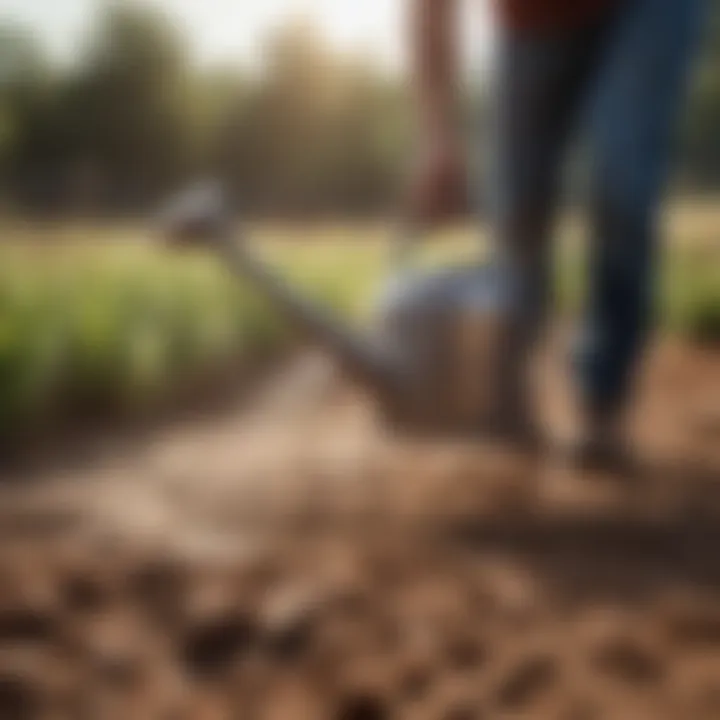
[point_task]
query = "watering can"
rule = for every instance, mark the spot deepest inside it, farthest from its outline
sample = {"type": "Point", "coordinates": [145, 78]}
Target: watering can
{"type": "Point", "coordinates": [429, 358]}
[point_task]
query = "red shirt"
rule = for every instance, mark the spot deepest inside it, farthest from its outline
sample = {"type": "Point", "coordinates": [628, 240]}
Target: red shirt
{"type": "Point", "coordinates": [547, 14]}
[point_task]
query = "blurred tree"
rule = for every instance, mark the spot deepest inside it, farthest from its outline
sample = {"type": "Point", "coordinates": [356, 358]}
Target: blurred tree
{"type": "Point", "coordinates": [128, 105]}
{"type": "Point", "coordinates": [25, 90]}
{"type": "Point", "coordinates": [313, 131]}
{"type": "Point", "coordinates": [316, 131]}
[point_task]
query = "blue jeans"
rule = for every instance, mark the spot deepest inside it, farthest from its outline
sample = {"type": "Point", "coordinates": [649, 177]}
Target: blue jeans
{"type": "Point", "coordinates": [622, 80]}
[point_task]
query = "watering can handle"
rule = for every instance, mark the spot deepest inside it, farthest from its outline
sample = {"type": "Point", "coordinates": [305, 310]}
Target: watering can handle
{"type": "Point", "coordinates": [406, 240]}
{"type": "Point", "coordinates": [406, 237]}
{"type": "Point", "coordinates": [409, 233]}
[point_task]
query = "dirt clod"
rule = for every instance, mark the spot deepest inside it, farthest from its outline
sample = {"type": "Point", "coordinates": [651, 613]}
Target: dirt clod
{"type": "Point", "coordinates": [290, 620]}
{"type": "Point", "coordinates": [415, 681]}
{"type": "Point", "coordinates": [158, 587]}
{"type": "Point", "coordinates": [630, 660]}
{"type": "Point", "coordinates": [82, 592]}
{"type": "Point", "coordinates": [465, 652]}
{"type": "Point", "coordinates": [362, 706]}
{"type": "Point", "coordinates": [211, 646]}
{"type": "Point", "coordinates": [530, 677]}
{"type": "Point", "coordinates": [25, 624]}
{"type": "Point", "coordinates": [694, 626]}
{"type": "Point", "coordinates": [462, 711]}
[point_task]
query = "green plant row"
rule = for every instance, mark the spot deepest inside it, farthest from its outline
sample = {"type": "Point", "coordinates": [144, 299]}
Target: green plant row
{"type": "Point", "coordinates": [120, 328]}
{"type": "Point", "coordinates": [110, 330]}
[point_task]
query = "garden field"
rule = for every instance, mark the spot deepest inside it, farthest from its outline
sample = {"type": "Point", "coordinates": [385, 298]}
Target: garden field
{"type": "Point", "coordinates": [285, 560]}
{"type": "Point", "coordinates": [98, 320]}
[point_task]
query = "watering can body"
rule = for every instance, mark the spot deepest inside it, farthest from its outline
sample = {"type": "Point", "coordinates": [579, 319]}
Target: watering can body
{"type": "Point", "coordinates": [430, 356]}
{"type": "Point", "coordinates": [443, 330]}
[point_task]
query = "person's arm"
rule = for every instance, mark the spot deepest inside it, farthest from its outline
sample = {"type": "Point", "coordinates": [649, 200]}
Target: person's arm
{"type": "Point", "coordinates": [435, 64]}
{"type": "Point", "coordinates": [438, 189]}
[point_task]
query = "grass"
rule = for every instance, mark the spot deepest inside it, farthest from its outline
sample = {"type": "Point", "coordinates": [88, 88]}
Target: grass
{"type": "Point", "coordinates": [103, 330]}
{"type": "Point", "coordinates": [120, 326]}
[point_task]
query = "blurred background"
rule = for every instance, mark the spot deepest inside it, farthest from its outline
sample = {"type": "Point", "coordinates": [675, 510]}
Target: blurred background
{"type": "Point", "coordinates": [302, 110]}
{"type": "Point", "coordinates": [140, 575]}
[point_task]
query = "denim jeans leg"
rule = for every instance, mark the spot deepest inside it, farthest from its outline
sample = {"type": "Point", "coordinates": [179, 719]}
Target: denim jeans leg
{"type": "Point", "coordinates": [633, 123]}
{"type": "Point", "coordinates": [542, 85]}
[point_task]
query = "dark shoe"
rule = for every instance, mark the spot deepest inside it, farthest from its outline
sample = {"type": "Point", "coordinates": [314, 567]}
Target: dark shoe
{"type": "Point", "coordinates": [517, 429]}
{"type": "Point", "coordinates": [599, 455]}
{"type": "Point", "coordinates": [604, 448]}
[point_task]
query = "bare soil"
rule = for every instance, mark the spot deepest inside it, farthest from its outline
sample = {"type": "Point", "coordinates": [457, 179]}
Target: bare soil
{"type": "Point", "coordinates": [291, 561]}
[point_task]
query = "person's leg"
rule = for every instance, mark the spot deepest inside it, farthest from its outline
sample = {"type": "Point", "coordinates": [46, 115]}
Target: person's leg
{"type": "Point", "coordinates": [633, 124]}
{"type": "Point", "coordinates": [542, 83]}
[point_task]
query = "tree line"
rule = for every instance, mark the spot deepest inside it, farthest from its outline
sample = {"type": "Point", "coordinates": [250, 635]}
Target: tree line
{"type": "Point", "coordinates": [315, 131]}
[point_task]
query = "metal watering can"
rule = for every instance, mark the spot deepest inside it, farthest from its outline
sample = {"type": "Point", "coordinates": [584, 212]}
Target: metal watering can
{"type": "Point", "coordinates": [430, 356]}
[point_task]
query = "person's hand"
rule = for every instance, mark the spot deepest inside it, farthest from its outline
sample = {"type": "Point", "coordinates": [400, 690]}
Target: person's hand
{"type": "Point", "coordinates": [438, 190]}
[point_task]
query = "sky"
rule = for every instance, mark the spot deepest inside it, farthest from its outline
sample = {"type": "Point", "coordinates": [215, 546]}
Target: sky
{"type": "Point", "coordinates": [230, 30]}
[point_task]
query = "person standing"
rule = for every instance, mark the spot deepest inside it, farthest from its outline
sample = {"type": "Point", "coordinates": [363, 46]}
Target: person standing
{"type": "Point", "coordinates": [616, 70]}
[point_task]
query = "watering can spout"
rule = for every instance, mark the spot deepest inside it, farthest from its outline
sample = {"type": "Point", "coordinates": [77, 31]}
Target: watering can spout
{"type": "Point", "coordinates": [200, 219]}
{"type": "Point", "coordinates": [358, 356]}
